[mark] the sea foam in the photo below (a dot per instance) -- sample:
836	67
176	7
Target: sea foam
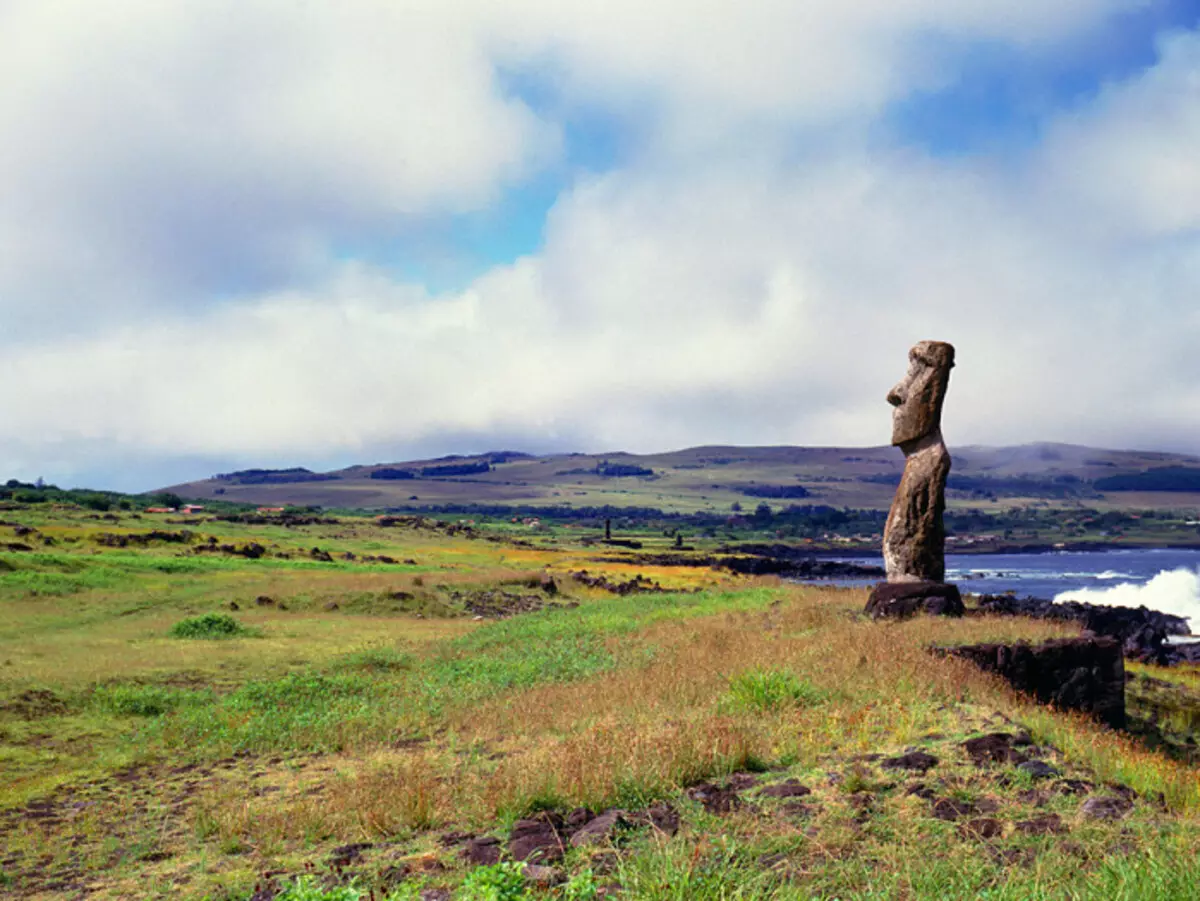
1175	591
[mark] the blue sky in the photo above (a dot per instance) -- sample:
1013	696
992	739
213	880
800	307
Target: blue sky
266	234
996	100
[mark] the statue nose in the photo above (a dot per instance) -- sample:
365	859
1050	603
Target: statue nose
895	398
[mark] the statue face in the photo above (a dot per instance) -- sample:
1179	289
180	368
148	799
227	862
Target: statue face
918	396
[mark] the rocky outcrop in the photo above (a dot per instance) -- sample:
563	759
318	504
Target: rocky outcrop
914	536
1142	632
1081	674
899	600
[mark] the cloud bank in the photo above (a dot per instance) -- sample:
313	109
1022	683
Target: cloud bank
205	205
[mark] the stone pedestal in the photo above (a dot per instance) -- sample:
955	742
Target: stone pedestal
899	600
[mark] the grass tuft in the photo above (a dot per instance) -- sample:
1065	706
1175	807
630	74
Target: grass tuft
210	626
771	690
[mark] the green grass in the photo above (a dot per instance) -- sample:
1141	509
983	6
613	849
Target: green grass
771	690
369	695
209	626
382	722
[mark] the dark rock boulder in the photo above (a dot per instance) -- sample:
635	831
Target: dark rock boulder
1106	807
600	829
1141	632
482	852
1083	674
661	815
538	838
900	600
994	748
715	799
789	788
917	761
1037	769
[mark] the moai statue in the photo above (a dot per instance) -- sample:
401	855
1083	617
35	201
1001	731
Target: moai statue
914	537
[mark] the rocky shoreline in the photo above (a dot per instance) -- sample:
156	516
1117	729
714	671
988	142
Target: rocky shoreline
1143	633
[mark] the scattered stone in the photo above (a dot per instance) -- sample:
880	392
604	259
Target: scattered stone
544	877
345	855
332	605
1014	857
482	852
263	601
537	838
547	584
498	604
917	761
952	809
993	748
742	781
714	799
35	704
1123	791
233	605
789	788
1106	807
1033	797
661	815
1047	824
1038	769
435	894
1073	787
921	790
578	818
389	877
600	828
982	827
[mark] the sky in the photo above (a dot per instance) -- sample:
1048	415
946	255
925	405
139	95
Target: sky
280	233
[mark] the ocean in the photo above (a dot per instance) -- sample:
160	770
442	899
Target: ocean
1158	578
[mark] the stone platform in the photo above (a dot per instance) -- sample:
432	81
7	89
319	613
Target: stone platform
899	600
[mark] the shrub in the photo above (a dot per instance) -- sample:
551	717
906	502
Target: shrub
762	689
209	625
504	881
306	888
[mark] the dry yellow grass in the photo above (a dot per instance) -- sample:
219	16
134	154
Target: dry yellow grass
646	731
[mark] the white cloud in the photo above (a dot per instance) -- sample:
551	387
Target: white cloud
184	177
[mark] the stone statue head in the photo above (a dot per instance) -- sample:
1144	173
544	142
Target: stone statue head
919	395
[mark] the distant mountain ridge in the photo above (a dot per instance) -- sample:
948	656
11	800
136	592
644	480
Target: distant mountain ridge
716	477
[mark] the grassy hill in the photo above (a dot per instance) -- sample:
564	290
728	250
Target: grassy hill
398	711
714	478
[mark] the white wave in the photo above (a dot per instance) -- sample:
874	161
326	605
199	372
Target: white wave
1174	591
1109	575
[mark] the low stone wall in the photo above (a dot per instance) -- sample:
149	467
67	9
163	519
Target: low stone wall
1082	674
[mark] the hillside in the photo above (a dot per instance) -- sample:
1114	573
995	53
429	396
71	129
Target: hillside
339	708
716	477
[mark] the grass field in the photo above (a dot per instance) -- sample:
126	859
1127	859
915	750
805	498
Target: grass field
194	724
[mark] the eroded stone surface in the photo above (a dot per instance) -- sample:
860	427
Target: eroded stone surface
1084	674
900	600
914	537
